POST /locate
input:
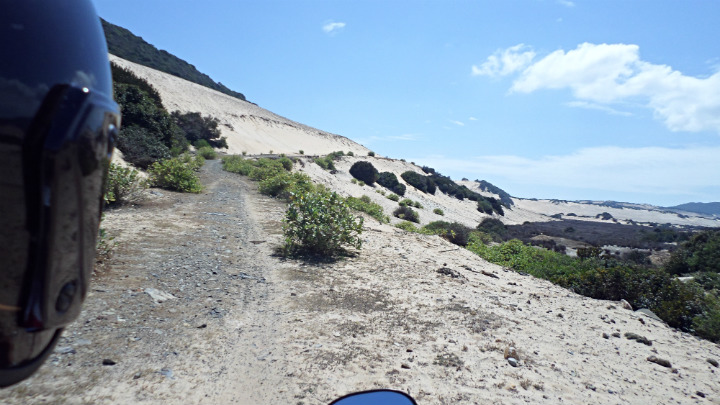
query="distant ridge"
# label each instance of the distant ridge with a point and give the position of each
(712, 208)
(123, 43)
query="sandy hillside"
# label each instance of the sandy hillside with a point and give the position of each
(410, 312)
(247, 127)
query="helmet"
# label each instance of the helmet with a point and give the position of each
(58, 124)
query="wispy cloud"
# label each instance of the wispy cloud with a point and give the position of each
(593, 106)
(651, 170)
(458, 123)
(607, 74)
(566, 3)
(473, 119)
(505, 62)
(390, 138)
(403, 137)
(333, 27)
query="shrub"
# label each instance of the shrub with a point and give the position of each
(700, 253)
(236, 164)
(406, 202)
(493, 227)
(286, 163)
(284, 184)
(176, 174)
(454, 232)
(200, 143)
(195, 127)
(366, 205)
(417, 205)
(320, 222)
(480, 238)
(371, 153)
(407, 214)
(393, 197)
(353, 181)
(390, 181)
(438, 211)
(407, 226)
(350, 153)
(302, 152)
(325, 162)
(207, 152)
(123, 184)
(416, 180)
(140, 147)
(364, 171)
(484, 206)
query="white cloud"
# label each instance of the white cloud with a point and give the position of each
(505, 62)
(403, 137)
(651, 170)
(333, 27)
(566, 3)
(614, 73)
(592, 106)
(458, 123)
(473, 119)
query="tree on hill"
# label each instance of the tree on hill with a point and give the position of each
(364, 171)
(196, 127)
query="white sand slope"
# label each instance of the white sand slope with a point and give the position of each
(248, 128)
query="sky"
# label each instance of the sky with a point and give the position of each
(575, 100)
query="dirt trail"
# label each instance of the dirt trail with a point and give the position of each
(410, 312)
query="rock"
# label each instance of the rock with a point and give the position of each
(659, 361)
(449, 272)
(511, 352)
(626, 305)
(700, 394)
(158, 296)
(167, 372)
(108, 362)
(616, 334)
(65, 350)
(405, 366)
(638, 338)
(713, 362)
(605, 336)
(137, 375)
(513, 362)
(649, 313)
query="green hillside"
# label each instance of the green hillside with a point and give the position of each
(127, 45)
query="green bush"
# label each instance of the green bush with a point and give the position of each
(417, 205)
(416, 180)
(407, 214)
(699, 254)
(364, 171)
(407, 226)
(393, 197)
(123, 184)
(366, 205)
(454, 232)
(177, 174)
(286, 163)
(140, 147)
(201, 143)
(266, 168)
(371, 153)
(438, 211)
(390, 181)
(406, 202)
(494, 227)
(302, 152)
(320, 222)
(207, 152)
(237, 164)
(195, 127)
(326, 162)
(350, 153)
(284, 184)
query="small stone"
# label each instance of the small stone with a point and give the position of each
(513, 362)
(659, 361)
(203, 326)
(108, 362)
(405, 366)
(616, 334)
(137, 375)
(605, 336)
(626, 305)
(713, 362)
(638, 338)
(700, 394)
(65, 350)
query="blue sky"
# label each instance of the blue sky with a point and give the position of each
(604, 100)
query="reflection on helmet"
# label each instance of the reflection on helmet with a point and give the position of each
(57, 130)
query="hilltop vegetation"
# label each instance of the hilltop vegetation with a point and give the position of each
(123, 43)
(712, 208)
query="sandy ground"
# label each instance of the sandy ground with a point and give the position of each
(248, 128)
(410, 312)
